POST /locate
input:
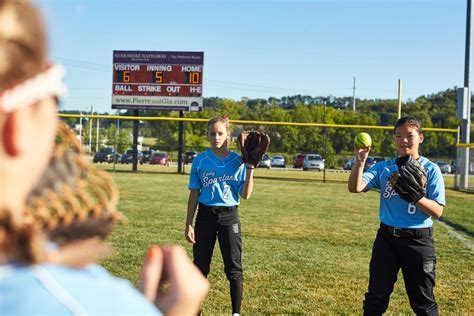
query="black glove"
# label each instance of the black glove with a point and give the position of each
(410, 180)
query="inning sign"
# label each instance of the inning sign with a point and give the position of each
(157, 80)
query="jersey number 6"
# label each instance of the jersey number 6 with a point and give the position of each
(411, 209)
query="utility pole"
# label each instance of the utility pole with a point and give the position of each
(180, 143)
(80, 132)
(325, 132)
(399, 98)
(135, 141)
(115, 155)
(354, 95)
(90, 130)
(97, 140)
(466, 119)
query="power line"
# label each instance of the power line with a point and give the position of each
(105, 68)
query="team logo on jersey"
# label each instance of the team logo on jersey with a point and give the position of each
(209, 178)
(388, 191)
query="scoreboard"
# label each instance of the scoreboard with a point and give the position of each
(157, 80)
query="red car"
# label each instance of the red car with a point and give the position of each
(299, 161)
(160, 159)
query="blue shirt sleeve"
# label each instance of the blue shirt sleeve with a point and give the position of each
(194, 182)
(80, 291)
(242, 177)
(435, 185)
(371, 178)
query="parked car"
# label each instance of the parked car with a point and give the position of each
(278, 161)
(266, 162)
(372, 161)
(147, 155)
(104, 155)
(189, 156)
(444, 167)
(117, 157)
(299, 161)
(453, 167)
(160, 158)
(313, 161)
(127, 157)
(348, 164)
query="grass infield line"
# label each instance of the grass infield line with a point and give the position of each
(453, 232)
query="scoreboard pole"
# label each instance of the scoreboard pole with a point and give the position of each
(180, 143)
(135, 142)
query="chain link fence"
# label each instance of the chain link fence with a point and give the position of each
(109, 139)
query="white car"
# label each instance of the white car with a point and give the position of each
(348, 164)
(444, 167)
(265, 162)
(278, 161)
(313, 161)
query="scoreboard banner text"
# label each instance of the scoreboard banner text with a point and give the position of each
(157, 80)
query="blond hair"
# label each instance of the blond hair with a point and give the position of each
(22, 55)
(224, 119)
(22, 42)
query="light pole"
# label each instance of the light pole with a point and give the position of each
(80, 131)
(97, 137)
(466, 120)
(90, 130)
(325, 141)
(354, 95)
(116, 131)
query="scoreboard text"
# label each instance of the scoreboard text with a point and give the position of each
(157, 80)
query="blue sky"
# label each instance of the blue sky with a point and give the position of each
(260, 49)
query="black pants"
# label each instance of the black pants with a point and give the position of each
(224, 225)
(413, 252)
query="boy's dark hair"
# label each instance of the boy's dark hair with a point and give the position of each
(410, 121)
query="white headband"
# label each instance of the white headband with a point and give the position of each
(46, 84)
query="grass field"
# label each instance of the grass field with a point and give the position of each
(306, 243)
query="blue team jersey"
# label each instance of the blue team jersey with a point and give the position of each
(48, 289)
(220, 181)
(395, 211)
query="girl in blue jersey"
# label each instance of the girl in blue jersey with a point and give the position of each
(218, 178)
(405, 237)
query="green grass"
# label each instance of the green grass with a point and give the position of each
(307, 244)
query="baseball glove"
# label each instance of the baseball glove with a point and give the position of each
(253, 146)
(410, 180)
(73, 194)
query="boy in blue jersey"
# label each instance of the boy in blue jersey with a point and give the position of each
(218, 178)
(405, 237)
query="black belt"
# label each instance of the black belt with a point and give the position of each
(407, 232)
(217, 209)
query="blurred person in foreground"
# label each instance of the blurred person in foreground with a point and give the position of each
(50, 191)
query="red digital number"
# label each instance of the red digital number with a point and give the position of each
(194, 77)
(158, 77)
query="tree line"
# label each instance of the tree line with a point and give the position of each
(435, 110)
